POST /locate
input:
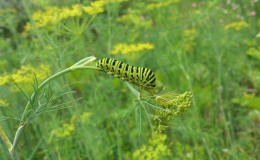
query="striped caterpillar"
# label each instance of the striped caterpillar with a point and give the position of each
(139, 76)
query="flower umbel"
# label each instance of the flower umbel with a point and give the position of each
(254, 52)
(154, 150)
(173, 105)
(95, 7)
(53, 15)
(25, 76)
(236, 25)
(3, 103)
(136, 19)
(129, 48)
(26, 73)
(166, 3)
(189, 39)
(68, 128)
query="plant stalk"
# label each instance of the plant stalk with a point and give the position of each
(12, 147)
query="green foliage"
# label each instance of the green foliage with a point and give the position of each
(207, 48)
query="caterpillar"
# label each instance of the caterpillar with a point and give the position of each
(139, 76)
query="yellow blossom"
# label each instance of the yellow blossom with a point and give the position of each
(189, 46)
(4, 80)
(189, 32)
(129, 48)
(152, 6)
(25, 75)
(254, 52)
(85, 116)
(66, 130)
(236, 25)
(154, 150)
(3, 103)
(115, 1)
(189, 39)
(95, 7)
(137, 20)
(53, 15)
(172, 104)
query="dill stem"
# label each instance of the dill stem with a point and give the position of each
(45, 82)
(5, 138)
(11, 147)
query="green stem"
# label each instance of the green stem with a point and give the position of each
(5, 138)
(45, 82)
(8, 143)
(12, 147)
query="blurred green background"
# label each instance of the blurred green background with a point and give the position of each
(210, 48)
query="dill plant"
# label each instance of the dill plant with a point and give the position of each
(167, 106)
(34, 107)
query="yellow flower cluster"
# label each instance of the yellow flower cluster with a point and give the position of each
(189, 39)
(153, 6)
(115, 1)
(3, 64)
(155, 150)
(53, 15)
(254, 52)
(25, 75)
(68, 128)
(173, 105)
(137, 20)
(129, 48)
(177, 103)
(98, 6)
(64, 131)
(95, 7)
(3, 103)
(237, 25)
(189, 32)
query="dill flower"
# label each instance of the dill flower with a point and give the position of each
(236, 25)
(189, 32)
(66, 130)
(254, 52)
(53, 15)
(4, 103)
(153, 6)
(154, 150)
(129, 48)
(25, 76)
(85, 116)
(137, 20)
(74, 11)
(4, 80)
(189, 39)
(172, 105)
(115, 1)
(95, 7)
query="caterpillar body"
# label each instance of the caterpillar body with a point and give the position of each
(139, 76)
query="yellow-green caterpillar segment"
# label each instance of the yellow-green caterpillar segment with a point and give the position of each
(139, 76)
